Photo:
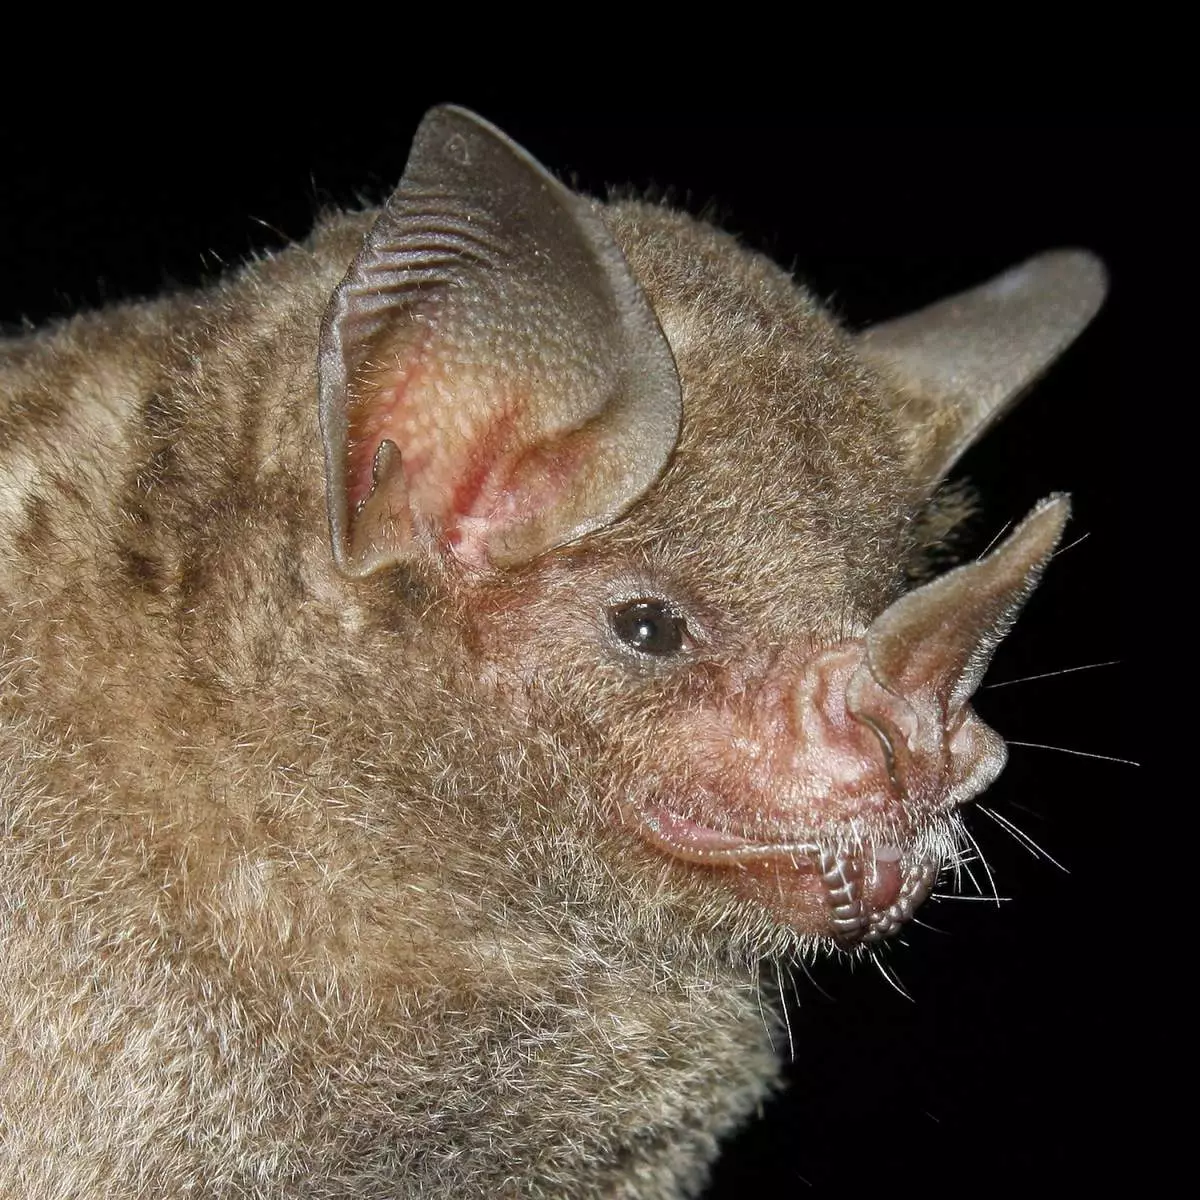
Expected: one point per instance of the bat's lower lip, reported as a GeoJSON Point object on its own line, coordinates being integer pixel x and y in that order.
{"type": "Point", "coordinates": [853, 896]}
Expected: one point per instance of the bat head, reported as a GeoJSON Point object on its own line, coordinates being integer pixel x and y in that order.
{"type": "Point", "coordinates": [667, 507]}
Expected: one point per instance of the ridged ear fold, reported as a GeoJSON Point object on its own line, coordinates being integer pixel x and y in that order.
{"type": "Point", "coordinates": [961, 363]}
{"type": "Point", "coordinates": [492, 380]}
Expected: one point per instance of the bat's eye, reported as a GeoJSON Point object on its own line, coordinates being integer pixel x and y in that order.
{"type": "Point", "coordinates": [648, 626]}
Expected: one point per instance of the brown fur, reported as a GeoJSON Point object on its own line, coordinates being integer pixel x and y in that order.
{"type": "Point", "coordinates": [309, 886]}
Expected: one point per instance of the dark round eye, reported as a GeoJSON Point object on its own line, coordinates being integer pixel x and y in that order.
{"type": "Point", "coordinates": [648, 626]}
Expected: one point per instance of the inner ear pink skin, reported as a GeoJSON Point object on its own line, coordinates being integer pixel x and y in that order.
{"type": "Point", "coordinates": [468, 482]}
{"type": "Point", "coordinates": [451, 468]}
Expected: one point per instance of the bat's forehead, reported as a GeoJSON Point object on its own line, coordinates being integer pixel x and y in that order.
{"type": "Point", "coordinates": [788, 475]}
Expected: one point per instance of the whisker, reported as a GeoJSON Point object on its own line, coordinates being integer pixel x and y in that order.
{"type": "Point", "coordinates": [926, 924]}
{"type": "Point", "coordinates": [809, 976]}
{"type": "Point", "coordinates": [1024, 808]}
{"type": "Point", "coordinates": [1003, 530]}
{"type": "Point", "coordinates": [762, 1012]}
{"type": "Point", "coordinates": [969, 899]}
{"type": "Point", "coordinates": [264, 224]}
{"type": "Point", "coordinates": [889, 975]}
{"type": "Point", "coordinates": [1051, 674]}
{"type": "Point", "coordinates": [958, 858]}
{"type": "Point", "coordinates": [1021, 836]}
{"type": "Point", "coordinates": [984, 863]}
{"type": "Point", "coordinates": [1083, 537]}
{"type": "Point", "coordinates": [787, 1017]}
{"type": "Point", "coordinates": [1129, 762]}
{"type": "Point", "coordinates": [962, 866]}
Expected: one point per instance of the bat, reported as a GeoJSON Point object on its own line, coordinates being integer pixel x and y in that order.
{"type": "Point", "coordinates": [348, 541]}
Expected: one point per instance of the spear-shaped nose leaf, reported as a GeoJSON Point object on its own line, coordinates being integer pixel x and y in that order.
{"type": "Point", "coordinates": [927, 653]}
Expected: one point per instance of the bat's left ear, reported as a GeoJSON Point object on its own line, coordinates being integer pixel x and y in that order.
{"type": "Point", "coordinates": [493, 381]}
{"type": "Point", "coordinates": [961, 363]}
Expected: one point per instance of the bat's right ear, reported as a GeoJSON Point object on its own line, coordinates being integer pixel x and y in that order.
{"type": "Point", "coordinates": [493, 382]}
{"type": "Point", "coordinates": [961, 363]}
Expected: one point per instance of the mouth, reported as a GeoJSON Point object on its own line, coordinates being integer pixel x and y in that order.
{"type": "Point", "coordinates": [855, 895]}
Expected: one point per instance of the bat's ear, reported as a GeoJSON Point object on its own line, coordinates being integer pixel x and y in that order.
{"type": "Point", "coordinates": [493, 383]}
{"type": "Point", "coordinates": [961, 363]}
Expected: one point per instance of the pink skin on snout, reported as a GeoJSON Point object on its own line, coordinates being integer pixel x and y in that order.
{"type": "Point", "coordinates": [807, 791]}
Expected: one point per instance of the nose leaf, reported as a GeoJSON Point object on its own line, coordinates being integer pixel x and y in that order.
{"type": "Point", "coordinates": [926, 654]}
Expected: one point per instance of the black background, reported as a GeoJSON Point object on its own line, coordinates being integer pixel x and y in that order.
{"type": "Point", "coordinates": [1008, 1066]}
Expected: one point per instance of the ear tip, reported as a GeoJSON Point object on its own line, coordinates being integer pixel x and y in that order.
{"type": "Point", "coordinates": [444, 119]}
{"type": "Point", "coordinates": [1077, 273]}
{"type": "Point", "coordinates": [1058, 503]}
{"type": "Point", "coordinates": [450, 112]}
{"type": "Point", "coordinates": [1088, 268]}
{"type": "Point", "coordinates": [1046, 523]}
